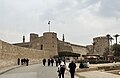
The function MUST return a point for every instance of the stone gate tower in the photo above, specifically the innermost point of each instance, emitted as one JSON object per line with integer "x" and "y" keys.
{"x": 47, "y": 42}
{"x": 50, "y": 42}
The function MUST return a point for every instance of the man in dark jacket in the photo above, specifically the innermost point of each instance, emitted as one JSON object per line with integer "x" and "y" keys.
{"x": 48, "y": 62}
{"x": 52, "y": 61}
{"x": 44, "y": 61}
{"x": 72, "y": 67}
{"x": 18, "y": 61}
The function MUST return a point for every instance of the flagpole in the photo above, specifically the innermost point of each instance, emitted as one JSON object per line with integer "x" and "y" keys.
{"x": 49, "y": 27}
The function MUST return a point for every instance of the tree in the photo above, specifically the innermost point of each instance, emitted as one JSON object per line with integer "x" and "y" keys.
{"x": 111, "y": 40}
{"x": 116, "y": 49}
{"x": 116, "y": 36}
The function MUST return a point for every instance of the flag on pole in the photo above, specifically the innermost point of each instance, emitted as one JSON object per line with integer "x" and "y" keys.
{"x": 49, "y": 25}
{"x": 49, "y": 22}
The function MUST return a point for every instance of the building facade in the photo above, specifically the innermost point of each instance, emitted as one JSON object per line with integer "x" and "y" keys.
{"x": 50, "y": 42}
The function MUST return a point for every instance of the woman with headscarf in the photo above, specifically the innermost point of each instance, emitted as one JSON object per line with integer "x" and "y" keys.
{"x": 61, "y": 70}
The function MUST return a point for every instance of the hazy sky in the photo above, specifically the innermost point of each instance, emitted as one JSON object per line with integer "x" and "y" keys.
{"x": 79, "y": 20}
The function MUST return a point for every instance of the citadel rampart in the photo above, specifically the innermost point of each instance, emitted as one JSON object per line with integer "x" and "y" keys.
{"x": 66, "y": 46}
{"x": 79, "y": 49}
{"x": 10, "y": 53}
{"x": 47, "y": 46}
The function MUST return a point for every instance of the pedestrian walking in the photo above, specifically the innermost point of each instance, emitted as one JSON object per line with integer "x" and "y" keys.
{"x": 72, "y": 67}
{"x": 52, "y": 61}
{"x": 56, "y": 60}
{"x": 18, "y": 61}
{"x": 27, "y": 62}
{"x": 48, "y": 62}
{"x": 61, "y": 70}
{"x": 44, "y": 61}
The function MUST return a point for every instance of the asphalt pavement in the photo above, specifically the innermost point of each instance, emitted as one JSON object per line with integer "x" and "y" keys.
{"x": 33, "y": 71}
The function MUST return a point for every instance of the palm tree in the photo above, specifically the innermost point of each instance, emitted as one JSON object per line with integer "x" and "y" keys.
{"x": 108, "y": 37}
{"x": 111, "y": 40}
{"x": 116, "y": 36}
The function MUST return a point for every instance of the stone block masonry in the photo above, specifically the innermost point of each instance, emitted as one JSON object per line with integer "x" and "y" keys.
{"x": 10, "y": 53}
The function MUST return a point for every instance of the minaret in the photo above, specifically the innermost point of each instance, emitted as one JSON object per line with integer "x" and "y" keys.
{"x": 23, "y": 39}
{"x": 63, "y": 38}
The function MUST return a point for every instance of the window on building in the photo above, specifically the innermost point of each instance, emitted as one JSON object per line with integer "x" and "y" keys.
{"x": 41, "y": 48}
{"x": 53, "y": 46}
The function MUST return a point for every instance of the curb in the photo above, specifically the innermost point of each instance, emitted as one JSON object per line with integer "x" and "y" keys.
{"x": 8, "y": 69}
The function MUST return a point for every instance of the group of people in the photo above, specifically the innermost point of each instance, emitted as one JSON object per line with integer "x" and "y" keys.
{"x": 24, "y": 61}
{"x": 51, "y": 61}
{"x": 60, "y": 63}
{"x": 62, "y": 67}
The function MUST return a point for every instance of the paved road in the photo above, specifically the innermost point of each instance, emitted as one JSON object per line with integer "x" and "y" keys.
{"x": 33, "y": 71}
{"x": 98, "y": 74}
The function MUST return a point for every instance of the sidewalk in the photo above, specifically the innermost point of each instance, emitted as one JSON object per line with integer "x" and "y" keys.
{"x": 95, "y": 73}
{"x": 98, "y": 74}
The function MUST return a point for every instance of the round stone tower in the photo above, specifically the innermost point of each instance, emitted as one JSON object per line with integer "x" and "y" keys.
{"x": 101, "y": 43}
{"x": 50, "y": 42}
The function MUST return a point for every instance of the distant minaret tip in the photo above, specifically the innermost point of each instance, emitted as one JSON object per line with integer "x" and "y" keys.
{"x": 23, "y": 39}
{"x": 63, "y": 38}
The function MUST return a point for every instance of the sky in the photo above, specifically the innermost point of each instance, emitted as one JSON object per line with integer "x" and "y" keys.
{"x": 79, "y": 20}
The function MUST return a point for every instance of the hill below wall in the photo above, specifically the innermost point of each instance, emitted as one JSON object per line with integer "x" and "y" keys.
{"x": 10, "y": 53}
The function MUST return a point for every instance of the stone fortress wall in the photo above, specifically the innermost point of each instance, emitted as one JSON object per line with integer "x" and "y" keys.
{"x": 79, "y": 49}
{"x": 50, "y": 42}
{"x": 10, "y": 53}
{"x": 47, "y": 46}
{"x": 68, "y": 47}
{"x": 64, "y": 46}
